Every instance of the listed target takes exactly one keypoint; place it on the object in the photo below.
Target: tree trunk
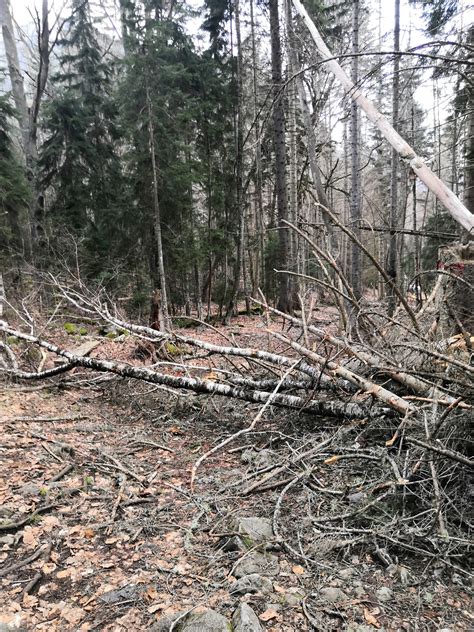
(240, 206)
(285, 298)
(355, 204)
(159, 316)
(469, 161)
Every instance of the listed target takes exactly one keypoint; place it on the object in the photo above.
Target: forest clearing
(236, 315)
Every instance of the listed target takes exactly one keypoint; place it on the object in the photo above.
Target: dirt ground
(99, 529)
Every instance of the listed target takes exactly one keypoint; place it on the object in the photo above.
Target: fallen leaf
(62, 574)
(331, 460)
(175, 430)
(270, 613)
(73, 615)
(151, 593)
(298, 570)
(88, 533)
(30, 537)
(48, 568)
(370, 618)
(212, 376)
(156, 607)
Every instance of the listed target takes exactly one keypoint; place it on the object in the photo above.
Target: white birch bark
(444, 194)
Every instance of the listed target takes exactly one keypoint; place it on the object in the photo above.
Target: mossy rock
(70, 329)
(172, 349)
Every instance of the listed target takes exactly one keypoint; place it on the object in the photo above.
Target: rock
(256, 529)
(293, 599)
(384, 594)
(122, 594)
(209, 621)
(253, 583)
(332, 594)
(245, 619)
(346, 573)
(164, 623)
(257, 563)
(234, 544)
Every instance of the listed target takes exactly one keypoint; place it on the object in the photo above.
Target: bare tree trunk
(454, 206)
(392, 246)
(16, 78)
(159, 316)
(311, 139)
(285, 299)
(232, 305)
(355, 209)
(469, 161)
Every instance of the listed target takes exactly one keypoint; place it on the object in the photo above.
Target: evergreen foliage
(15, 194)
(79, 159)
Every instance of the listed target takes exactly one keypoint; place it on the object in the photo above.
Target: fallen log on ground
(324, 408)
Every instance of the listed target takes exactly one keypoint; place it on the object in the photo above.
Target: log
(320, 407)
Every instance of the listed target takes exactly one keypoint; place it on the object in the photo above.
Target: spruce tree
(80, 155)
(15, 194)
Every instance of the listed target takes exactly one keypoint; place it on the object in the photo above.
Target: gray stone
(234, 544)
(245, 619)
(256, 562)
(257, 529)
(293, 599)
(209, 621)
(346, 573)
(122, 594)
(384, 594)
(253, 583)
(331, 594)
(164, 623)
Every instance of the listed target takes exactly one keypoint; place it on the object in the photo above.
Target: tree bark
(285, 298)
(355, 204)
(394, 170)
(159, 315)
(240, 206)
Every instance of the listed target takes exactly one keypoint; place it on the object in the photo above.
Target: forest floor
(107, 534)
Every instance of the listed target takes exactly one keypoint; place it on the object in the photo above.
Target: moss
(111, 335)
(33, 354)
(12, 340)
(172, 349)
(248, 542)
(43, 491)
(82, 331)
(70, 328)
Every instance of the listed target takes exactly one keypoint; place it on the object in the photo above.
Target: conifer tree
(80, 156)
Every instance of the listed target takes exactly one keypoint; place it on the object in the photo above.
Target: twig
(455, 456)
(256, 419)
(14, 526)
(66, 469)
(45, 548)
(31, 584)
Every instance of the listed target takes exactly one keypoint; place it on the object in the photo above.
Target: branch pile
(392, 471)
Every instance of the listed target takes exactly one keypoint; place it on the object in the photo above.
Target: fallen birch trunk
(444, 194)
(412, 382)
(319, 407)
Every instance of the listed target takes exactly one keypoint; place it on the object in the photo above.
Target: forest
(236, 315)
